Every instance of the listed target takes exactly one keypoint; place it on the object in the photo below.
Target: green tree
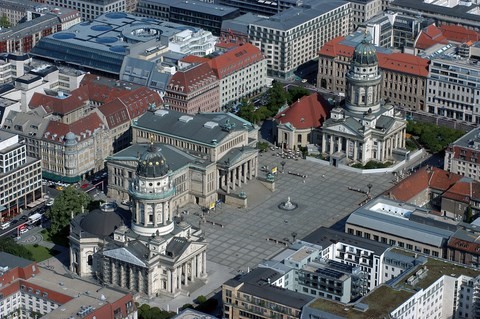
(247, 111)
(8, 245)
(4, 23)
(295, 93)
(277, 97)
(70, 201)
(468, 215)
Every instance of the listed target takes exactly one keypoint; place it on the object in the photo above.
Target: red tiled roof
(235, 59)
(459, 244)
(308, 112)
(430, 36)
(194, 59)
(410, 186)
(459, 192)
(103, 90)
(89, 122)
(192, 79)
(459, 34)
(442, 180)
(227, 44)
(424, 178)
(128, 107)
(398, 62)
(61, 104)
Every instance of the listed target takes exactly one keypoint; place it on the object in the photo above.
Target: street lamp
(283, 166)
(294, 235)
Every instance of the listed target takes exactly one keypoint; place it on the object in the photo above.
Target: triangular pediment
(192, 248)
(124, 255)
(341, 128)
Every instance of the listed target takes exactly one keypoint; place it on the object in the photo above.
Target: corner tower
(364, 80)
(151, 192)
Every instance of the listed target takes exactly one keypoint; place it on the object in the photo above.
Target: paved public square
(323, 200)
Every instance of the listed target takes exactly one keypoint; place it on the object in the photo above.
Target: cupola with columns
(364, 80)
(151, 192)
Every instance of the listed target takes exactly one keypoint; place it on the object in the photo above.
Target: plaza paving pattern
(323, 200)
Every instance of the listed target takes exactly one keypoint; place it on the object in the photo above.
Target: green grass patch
(41, 253)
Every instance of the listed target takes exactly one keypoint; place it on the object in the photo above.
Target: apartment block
(254, 295)
(20, 175)
(294, 36)
(463, 246)
(405, 76)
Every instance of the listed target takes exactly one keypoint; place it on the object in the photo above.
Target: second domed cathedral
(365, 128)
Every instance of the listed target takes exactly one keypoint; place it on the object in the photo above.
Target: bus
(35, 219)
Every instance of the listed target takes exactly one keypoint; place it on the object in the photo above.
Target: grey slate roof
(240, 24)
(29, 27)
(176, 247)
(127, 254)
(400, 227)
(11, 261)
(174, 157)
(459, 11)
(100, 223)
(295, 16)
(193, 130)
(256, 283)
(325, 237)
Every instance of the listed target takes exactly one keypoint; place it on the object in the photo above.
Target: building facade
(462, 156)
(404, 78)
(255, 295)
(294, 36)
(365, 128)
(20, 176)
(463, 247)
(218, 148)
(30, 290)
(159, 254)
(91, 9)
(298, 125)
(453, 88)
(193, 89)
(364, 10)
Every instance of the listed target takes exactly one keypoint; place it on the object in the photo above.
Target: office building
(294, 36)
(200, 14)
(102, 45)
(157, 253)
(453, 87)
(264, 8)
(404, 78)
(31, 290)
(364, 10)
(20, 175)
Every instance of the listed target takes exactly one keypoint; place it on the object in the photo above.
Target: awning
(59, 178)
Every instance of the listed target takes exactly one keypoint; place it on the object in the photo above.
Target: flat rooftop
(83, 293)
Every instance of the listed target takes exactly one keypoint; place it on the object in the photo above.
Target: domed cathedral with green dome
(151, 253)
(364, 128)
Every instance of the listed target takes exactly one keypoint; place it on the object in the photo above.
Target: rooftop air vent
(161, 112)
(185, 118)
(210, 124)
